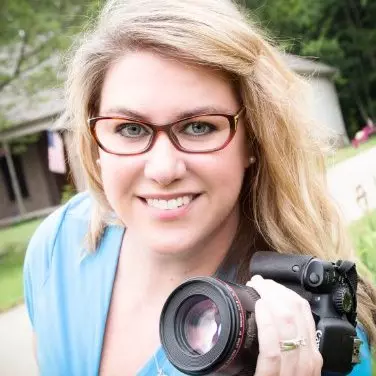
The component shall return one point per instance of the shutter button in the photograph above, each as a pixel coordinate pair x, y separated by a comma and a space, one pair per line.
314, 278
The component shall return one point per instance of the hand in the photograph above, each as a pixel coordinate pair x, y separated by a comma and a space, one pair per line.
281, 314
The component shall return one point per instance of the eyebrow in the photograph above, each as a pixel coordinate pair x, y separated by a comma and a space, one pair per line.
135, 115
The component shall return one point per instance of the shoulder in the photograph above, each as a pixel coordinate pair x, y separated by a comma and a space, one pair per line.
66, 219
66, 223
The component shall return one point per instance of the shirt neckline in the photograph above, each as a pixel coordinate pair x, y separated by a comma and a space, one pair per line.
117, 234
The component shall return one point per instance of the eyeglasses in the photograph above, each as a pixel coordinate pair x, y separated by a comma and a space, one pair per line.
196, 134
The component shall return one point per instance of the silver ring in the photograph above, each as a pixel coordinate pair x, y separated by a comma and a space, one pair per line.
292, 344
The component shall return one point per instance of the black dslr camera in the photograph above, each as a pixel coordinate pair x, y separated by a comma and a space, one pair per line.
208, 326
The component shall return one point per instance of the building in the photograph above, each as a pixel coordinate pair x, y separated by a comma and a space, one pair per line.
29, 186
30, 183
326, 108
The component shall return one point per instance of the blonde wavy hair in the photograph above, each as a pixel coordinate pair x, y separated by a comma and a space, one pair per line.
285, 203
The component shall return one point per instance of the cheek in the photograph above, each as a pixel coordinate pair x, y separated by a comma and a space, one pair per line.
230, 170
225, 174
117, 174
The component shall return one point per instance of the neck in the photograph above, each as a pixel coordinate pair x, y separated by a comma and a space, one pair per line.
155, 275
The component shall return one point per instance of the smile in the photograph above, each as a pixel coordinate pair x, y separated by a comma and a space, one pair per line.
174, 203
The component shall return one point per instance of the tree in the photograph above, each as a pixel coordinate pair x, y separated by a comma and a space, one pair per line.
339, 32
32, 34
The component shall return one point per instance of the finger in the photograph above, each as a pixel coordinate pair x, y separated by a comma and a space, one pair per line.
278, 301
310, 323
269, 289
277, 297
311, 357
303, 356
308, 359
269, 359
294, 321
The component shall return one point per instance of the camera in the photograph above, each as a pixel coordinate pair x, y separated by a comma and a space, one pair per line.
208, 326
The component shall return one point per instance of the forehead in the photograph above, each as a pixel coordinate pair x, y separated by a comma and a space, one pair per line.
160, 87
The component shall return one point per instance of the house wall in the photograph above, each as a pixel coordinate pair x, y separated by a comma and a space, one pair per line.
42, 192
326, 108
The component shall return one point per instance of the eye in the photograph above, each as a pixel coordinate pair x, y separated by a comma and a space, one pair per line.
132, 130
198, 128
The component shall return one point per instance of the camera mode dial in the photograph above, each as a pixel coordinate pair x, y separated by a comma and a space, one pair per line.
342, 300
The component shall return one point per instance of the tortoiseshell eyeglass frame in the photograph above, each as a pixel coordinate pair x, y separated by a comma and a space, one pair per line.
167, 128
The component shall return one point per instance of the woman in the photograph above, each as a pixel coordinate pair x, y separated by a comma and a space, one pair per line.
197, 151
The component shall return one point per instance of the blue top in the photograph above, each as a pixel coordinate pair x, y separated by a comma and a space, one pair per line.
68, 294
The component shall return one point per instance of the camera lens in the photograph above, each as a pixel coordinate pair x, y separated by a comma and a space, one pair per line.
208, 326
202, 324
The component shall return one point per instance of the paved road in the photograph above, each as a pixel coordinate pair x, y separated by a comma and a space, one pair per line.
352, 184
16, 356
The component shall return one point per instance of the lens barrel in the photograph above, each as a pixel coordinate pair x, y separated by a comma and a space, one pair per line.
208, 326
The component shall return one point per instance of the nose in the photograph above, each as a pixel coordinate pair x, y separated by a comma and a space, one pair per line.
164, 164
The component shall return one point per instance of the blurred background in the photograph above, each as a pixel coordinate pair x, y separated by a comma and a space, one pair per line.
331, 42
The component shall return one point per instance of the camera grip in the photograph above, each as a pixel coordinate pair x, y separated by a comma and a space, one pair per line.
279, 267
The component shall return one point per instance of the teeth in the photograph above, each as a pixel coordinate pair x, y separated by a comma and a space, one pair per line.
170, 204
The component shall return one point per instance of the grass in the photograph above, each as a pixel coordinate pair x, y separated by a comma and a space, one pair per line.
349, 151
363, 235
11, 280
13, 242
17, 235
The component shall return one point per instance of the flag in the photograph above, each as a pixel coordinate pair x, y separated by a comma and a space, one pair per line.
56, 158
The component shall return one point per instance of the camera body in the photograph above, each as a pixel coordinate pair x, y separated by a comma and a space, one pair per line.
330, 289
208, 325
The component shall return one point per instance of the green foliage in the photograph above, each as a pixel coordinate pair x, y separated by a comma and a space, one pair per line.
20, 145
363, 233
16, 237
33, 35
11, 279
13, 243
68, 192
4, 122
340, 33
33, 31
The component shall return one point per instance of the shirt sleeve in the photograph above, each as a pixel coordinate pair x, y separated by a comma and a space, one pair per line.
28, 294
38, 260
41, 248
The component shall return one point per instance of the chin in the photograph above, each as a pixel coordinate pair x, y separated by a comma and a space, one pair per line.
170, 247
